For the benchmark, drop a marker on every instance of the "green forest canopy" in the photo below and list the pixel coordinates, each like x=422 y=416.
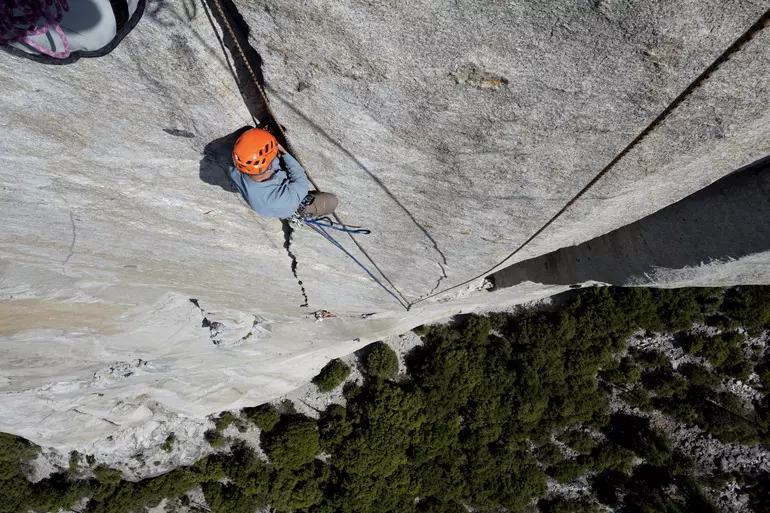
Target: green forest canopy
x=484 y=419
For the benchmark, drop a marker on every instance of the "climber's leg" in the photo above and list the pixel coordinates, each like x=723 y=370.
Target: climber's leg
x=322 y=204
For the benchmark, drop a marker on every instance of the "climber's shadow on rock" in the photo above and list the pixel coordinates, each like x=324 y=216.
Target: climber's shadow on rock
x=217 y=157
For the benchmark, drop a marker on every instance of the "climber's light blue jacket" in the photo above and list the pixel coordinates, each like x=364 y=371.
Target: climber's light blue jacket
x=281 y=194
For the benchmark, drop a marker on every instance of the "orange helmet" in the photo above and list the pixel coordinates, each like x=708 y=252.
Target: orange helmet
x=254 y=150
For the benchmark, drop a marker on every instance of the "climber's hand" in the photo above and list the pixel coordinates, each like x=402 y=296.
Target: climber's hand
x=282 y=149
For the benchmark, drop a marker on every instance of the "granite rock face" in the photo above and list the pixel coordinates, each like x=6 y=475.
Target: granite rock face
x=714 y=237
x=464 y=126
x=137 y=287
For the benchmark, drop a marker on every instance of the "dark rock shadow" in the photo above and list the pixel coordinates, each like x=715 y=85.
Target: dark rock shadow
x=240 y=69
x=727 y=220
x=288 y=231
x=217 y=158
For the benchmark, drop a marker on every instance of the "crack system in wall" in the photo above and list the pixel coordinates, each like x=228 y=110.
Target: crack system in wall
x=287 y=233
x=74 y=238
x=216 y=329
x=253 y=100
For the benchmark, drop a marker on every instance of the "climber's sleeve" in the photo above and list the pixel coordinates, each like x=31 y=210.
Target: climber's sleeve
x=297 y=177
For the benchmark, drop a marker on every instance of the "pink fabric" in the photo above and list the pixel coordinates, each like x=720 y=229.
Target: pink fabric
x=20 y=20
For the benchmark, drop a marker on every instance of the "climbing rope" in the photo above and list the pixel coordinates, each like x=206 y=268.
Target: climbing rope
x=261 y=89
x=326 y=222
x=760 y=24
x=23 y=18
x=319 y=228
x=339 y=225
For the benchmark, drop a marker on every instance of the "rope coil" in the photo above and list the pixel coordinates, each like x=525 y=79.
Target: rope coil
x=24 y=18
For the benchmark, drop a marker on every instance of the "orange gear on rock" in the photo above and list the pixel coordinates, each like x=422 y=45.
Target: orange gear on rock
x=254 y=150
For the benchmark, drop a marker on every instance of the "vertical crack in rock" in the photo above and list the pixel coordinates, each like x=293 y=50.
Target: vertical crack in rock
x=74 y=238
x=72 y=222
x=440 y=278
x=287 y=232
x=251 y=97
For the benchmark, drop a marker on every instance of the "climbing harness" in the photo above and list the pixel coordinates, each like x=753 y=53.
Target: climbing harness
x=25 y=18
x=299 y=218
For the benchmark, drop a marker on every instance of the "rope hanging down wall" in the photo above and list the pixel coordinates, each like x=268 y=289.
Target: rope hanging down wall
x=736 y=46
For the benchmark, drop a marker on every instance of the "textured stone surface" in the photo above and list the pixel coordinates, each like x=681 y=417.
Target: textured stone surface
x=454 y=130
x=724 y=125
x=719 y=236
x=461 y=173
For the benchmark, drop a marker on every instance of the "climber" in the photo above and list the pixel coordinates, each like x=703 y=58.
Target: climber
x=274 y=187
